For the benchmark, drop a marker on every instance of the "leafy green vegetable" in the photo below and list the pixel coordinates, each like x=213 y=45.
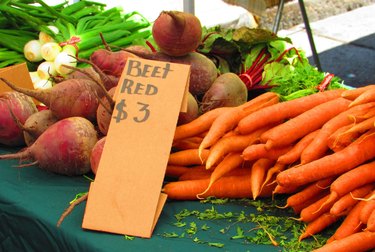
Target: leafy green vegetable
x=233 y=45
x=265 y=61
x=294 y=77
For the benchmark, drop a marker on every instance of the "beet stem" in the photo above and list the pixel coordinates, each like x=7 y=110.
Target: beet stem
x=32 y=93
x=325 y=82
x=107 y=47
x=260 y=55
x=178 y=19
x=103 y=78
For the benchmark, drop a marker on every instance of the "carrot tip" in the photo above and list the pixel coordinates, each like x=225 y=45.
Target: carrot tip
x=283 y=207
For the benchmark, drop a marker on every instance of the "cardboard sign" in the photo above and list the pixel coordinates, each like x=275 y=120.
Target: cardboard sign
x=126 y=197
x=18 y=75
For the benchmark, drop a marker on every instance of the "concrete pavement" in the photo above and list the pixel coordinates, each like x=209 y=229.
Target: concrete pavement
x=345 y=44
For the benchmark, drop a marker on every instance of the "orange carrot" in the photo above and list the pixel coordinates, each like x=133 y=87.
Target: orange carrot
x=187 y=143
x=360 y=242
x=369 y=114
x=196 y=174
x=348 y=200
x=338 y=140
x=315 y=210
x=362 y=126
x=228 y=120
x=318 y=147
x=199 y=125
x=188 y=157
x=335 y=164
x=259 y=100
x=204 y=173
x=258 y=174
x=367 y=210
x=226 y=187
x=308 y=192
x=351 y=94
x=284 y=110
x=297 y=208
x=294 y=154
x=279 y=189
x=352 y=179
x=272 y=172
x=351 y=223
x=230 y=162
x=257 y=151
x=299 y=126
x=234 y=143
x=175 y=171
x=371 y=222
x=319 y=224
x=365 y=97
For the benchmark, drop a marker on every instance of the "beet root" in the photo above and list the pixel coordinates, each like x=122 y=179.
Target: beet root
x=64 y=148
x=111 y=63
x=228 y=90
x=96 y=154
x=192 y=111
x=177 y=33
x=203 y=71
x=90 y=74
x=74 y=97
x=36 y=124
x=104 y=113
x=22 y=107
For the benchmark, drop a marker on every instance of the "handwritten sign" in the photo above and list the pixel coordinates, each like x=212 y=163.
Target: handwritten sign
x=126 y=197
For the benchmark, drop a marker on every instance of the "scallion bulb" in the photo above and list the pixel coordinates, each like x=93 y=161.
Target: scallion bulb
x=64 y=58
x=45 y=38
x=50 y=50
x=32 y=51
x=46 y=69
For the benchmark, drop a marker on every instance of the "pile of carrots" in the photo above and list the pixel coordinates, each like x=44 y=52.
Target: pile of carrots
x=319 y=150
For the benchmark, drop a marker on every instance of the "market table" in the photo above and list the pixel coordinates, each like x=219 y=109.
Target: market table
x=32 y=200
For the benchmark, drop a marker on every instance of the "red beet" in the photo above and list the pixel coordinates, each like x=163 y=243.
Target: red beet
x=36 y=124
x=89 y=73
x=104 y=113
x=177 y=33
x=203 y=71
x=22 y=107
x=64 y=148
x=96 y=154
x=228 y=90
x=111 y=63
x=74 y=97
x=191 y=113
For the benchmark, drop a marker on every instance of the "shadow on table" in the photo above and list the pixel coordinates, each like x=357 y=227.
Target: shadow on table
x=353 y=62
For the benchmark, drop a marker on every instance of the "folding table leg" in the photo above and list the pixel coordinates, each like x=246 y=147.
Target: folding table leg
x=310 y=35
x=279 y=13
x=307 y=27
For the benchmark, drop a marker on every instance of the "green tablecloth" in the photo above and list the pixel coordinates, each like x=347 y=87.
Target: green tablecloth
x=32 y=200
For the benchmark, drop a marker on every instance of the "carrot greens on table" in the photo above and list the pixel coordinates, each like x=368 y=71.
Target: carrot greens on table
x=266 y=225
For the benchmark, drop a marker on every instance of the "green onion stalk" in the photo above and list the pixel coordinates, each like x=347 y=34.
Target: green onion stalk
x=79 y=28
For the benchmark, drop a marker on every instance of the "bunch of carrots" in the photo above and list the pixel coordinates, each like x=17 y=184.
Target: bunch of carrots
x=319 y=150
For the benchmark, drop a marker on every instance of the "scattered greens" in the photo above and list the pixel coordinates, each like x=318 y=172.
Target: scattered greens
x=269 y=225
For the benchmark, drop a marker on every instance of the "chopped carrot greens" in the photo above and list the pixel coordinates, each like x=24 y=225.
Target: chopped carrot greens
x=268 y=225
